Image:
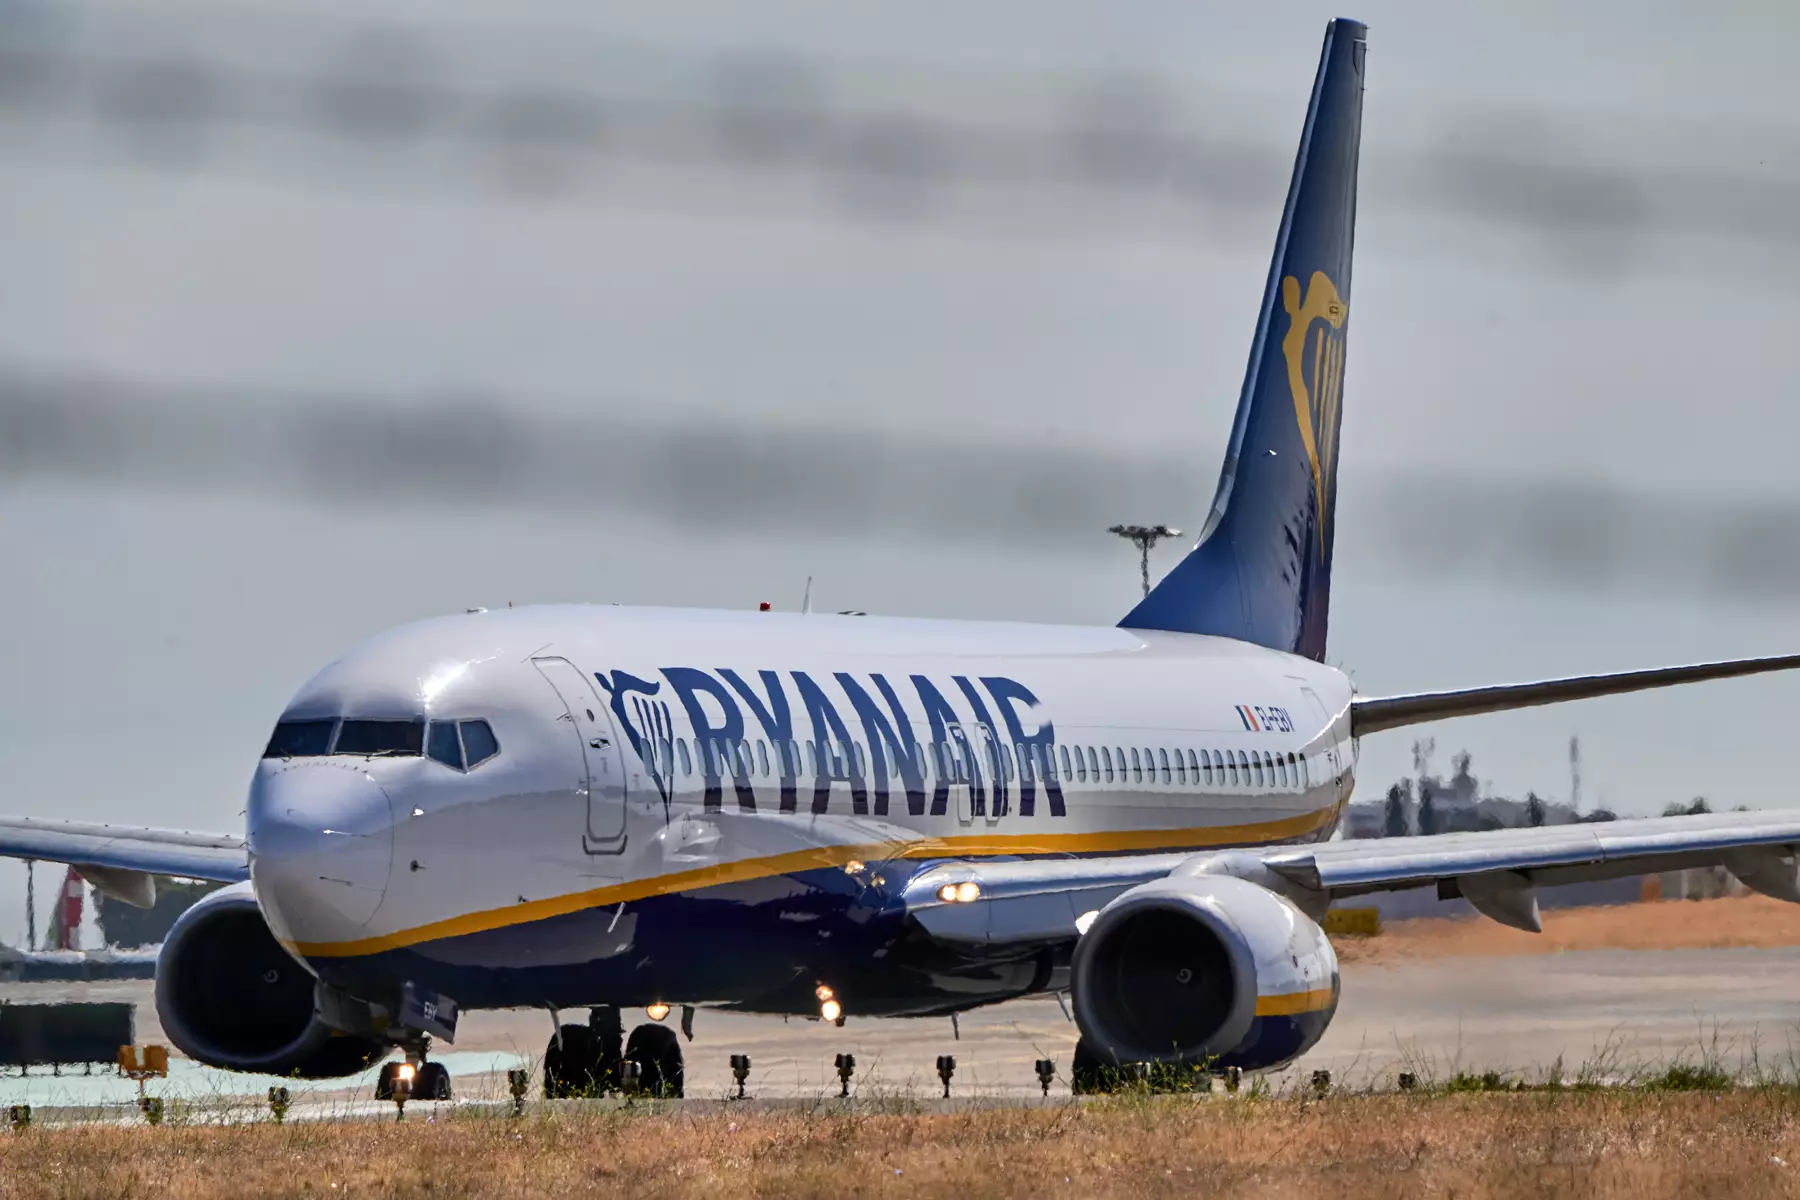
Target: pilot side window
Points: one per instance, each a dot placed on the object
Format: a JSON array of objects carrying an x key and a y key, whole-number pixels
[
  {"x": 443, "y": 745},
  {"x": 381, "y": 738},
  {"x": 301, "y": 739}
]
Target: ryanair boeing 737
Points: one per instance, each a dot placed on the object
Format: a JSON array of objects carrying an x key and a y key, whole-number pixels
[{"x": 601, "y": 808}]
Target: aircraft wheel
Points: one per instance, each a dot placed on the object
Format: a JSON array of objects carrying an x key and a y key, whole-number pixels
[
  {"x": 384, "y": 1083},
  {"x": 657, "y": 1052},
  {"x": 1091, "y": 1073},
  {"x": 432, "y": 1082},
  {"x": 572, "y": 1066}
]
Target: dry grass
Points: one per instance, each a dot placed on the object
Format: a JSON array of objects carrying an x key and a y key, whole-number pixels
[
  {"x": 1746, "y": 921},
  {"x": 1603, "y": 1144}
]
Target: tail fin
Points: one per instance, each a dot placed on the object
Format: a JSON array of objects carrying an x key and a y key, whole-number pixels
[{"x": 1261, "y": 571}]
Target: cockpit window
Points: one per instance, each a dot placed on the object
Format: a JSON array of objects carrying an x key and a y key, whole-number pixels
[
  {"x": 300, "y": 739},
  {"x": 443, "y": 744},
  {"x": 479, "y": 741},
  {"x": 381, "y": 738}
]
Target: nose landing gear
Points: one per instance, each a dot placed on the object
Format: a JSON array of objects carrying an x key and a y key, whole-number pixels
[{"x": 421, "y": 1080}]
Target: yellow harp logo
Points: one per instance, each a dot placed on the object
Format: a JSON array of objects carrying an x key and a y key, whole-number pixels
[{"x": 1315, "y": 372}]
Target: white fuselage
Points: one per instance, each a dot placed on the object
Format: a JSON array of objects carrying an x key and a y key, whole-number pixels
[{"x": 699, "y": 775}]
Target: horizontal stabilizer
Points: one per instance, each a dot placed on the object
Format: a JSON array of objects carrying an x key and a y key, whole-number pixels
[{"x": 1392, "y": 712}]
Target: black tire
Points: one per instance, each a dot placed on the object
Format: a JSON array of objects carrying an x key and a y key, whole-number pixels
[
  {"x": 657, "y": 1052},
  {"x": 432, "y": 1082},
  {"x": 571, "y": 1067},
  {"x": 384, "y": 1083},
  {"x": 1092, "y": 1073}
]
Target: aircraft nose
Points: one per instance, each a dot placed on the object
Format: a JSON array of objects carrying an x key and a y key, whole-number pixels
[{"x": 321, "y": 848}]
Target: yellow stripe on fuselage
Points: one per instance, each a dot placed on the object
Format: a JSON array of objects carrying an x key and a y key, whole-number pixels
[
  {"x": 1142, "y": 841},
  {"x": 1292, "y": 1004}
]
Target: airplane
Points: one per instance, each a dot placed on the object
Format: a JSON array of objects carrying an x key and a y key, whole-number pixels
[{"x": 834, "y": 817}]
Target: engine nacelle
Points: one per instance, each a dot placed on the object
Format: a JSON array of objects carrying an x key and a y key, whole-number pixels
[
  {"x": 1195, "y": 968},
  {"x": 229, "y": 996}
]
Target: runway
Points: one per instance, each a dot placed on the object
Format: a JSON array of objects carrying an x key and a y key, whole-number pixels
[{"x": 1613, "y": 1009}]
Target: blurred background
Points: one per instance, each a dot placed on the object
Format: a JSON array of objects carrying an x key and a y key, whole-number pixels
[{"x": 317, "y": 319}]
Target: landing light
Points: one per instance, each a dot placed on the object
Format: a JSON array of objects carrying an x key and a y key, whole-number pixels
[
  {"x": 831, "y": 1010},
  {"x": 966, "y": 892},
  {"x": 854, "y": 867},
  {"x": 405, "y": 1072},
  {"x": 823, "y": 992},
  {"x": 656, "y": 1012}
]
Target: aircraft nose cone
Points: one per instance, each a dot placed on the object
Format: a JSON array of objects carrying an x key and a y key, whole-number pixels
[{"x": 321, "y": 848}]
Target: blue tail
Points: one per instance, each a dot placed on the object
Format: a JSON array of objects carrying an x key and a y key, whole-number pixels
[{"x": 1261, "y": 571}]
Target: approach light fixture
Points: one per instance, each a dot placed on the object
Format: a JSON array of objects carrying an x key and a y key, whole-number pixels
[{"x": 656, "y": 1012}]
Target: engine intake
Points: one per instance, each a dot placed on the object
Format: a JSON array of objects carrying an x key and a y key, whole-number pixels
[
  {"x": 1202, "y": 967},
  {"x": 228, "y": 995}
]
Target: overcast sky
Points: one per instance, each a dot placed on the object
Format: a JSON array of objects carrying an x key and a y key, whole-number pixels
[{"x": 1573, "y": 280}]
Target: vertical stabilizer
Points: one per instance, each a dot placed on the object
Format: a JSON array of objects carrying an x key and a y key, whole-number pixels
[{"x": 1261, "y": 571}]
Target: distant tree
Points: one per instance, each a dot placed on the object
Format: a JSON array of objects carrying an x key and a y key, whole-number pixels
[
  {"x": 123, "y": 925},
  {"x": 1428, "y": 815},
  {"x": 1397, "y": 819},
  {"x": 1694, "y": 809},
  {"x": 1534, "y": 810},
  {"x": 1598, "y": 816}
]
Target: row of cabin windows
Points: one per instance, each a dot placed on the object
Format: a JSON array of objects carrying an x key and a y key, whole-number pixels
[{"x": 955, "y": 762}]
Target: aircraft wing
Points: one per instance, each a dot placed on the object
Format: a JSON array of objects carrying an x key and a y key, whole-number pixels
[
  {"x": 126, "y": 849},
  {"x": 1032, "y": 901}
]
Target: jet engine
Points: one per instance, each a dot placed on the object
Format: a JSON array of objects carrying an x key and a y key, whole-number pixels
[
  {"x": 1203, "y": 968},
  {"x": 229, "y": 996}
]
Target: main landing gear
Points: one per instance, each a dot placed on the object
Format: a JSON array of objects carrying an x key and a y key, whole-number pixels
[
  {"x": 424, "y": 1080},
  {"x": 586, "y": 1060}
]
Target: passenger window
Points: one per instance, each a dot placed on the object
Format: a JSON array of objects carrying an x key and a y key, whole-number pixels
[
  {"x": 1305, "y": 771},
  {"x": 301, "y": 739},
  {"x": 1027, "y": 763},
  {"x": 1231, "y": 768},
  {"x": 1137, "y": 766},
  {"x": 443, "y": 745},
  {"x": 1256, "y": 768},
  {"x": 1093, "y": 765},
  {"x": 1281, "y": 768},
  {"x": 479, "y": 743},
  {"x": 762, "y": 757},
  {"x": 1162, "y": 760},
  {"x": 381, "y": 738},
  {"x": 1180, "y": 769},
  {"x": 687, "y": 765}
]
